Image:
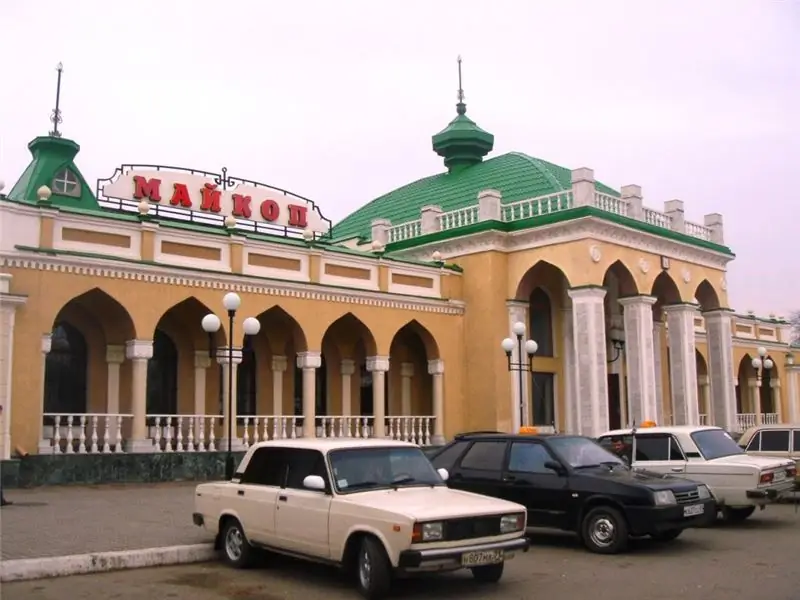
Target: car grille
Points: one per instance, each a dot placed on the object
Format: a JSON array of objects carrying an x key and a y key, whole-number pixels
[
  {"x": 687, "y": 497},
  {"x": 473, "y": 527}
]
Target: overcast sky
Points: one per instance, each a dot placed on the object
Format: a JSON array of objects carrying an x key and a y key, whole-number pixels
[{"x": 336, "y": 101}]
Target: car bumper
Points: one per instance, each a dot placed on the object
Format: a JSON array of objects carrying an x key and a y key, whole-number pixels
[
  {"x": 771, "y": 494},
  {"x": 656, "y": 519},
  {"x": 450, "y": 558}
]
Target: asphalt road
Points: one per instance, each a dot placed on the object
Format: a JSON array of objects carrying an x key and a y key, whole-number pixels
[{"x": 756, "y": 559}]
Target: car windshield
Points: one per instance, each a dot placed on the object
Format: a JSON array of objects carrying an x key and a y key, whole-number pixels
[
  {"x": 362, "y": 469},
  {"x": 579, "y": 452},
  {"x": 716, "y": 443}
]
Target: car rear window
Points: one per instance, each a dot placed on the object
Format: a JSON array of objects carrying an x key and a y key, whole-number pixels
[
  {"x": 774, "y": 440},
  {"x": 796, "y": 444}
]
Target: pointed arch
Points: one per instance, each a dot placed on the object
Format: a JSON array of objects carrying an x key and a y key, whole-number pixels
[
  {"x": 185, "y": 316},
  {"x": 347, "y": 331},
  {"x": 414, "y": 329},
  {"x": 706, "y": 296},
  {"x": 623, "y": 278},
  {"x": 666, "y": 292},
  {"x": 545, "y": 275},
  {"x": 106, "y": 311},
  {"x": 282, "y": 330}
]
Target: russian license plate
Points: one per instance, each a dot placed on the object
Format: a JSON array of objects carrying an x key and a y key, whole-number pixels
[
  {"x": 693, "y": 510},
  {"x": 484, "y": 557},
  {"x": 779, "y": 476}
]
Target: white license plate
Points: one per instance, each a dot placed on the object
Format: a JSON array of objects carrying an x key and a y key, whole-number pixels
[
  {"x": 484, "y": 557},
  {"x": 693, "y": 510},
  {"x": 779, "y": 476}
]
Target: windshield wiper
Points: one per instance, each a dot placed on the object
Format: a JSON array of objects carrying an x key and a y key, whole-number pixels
[
  {"x": 362, "y": 485},
  {"x": 403, "y": 480},
  {"x": 588, "y": 466}
]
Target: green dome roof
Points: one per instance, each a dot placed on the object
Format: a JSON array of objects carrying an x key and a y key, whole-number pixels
[{"x": 517, "y": 176}]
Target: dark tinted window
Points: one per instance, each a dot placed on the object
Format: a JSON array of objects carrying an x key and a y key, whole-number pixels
[
  {"x": 527, "y": 457},
  {"x": 755, "y": 442},
  {"x": 775, "y": 440},
  {"x": 796, "y": 444},
  {"x": 302, "y": 463},
  {"x": 486, "y": 456},
  {"x": 449, "y": 455},
  {"x": 652, "y": 447},
  {"x": 267, "y": 466}
]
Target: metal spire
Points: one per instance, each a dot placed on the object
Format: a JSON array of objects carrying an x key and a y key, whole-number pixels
[
  {"x": 460, "y": 87},
  {"x": 55, "y": 117}
]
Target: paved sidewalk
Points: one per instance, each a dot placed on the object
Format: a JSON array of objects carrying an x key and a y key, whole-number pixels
[{"x": 57, "y": 521}]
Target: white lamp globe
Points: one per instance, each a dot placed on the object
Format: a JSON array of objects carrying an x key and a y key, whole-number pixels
[
  {"x": 518, "y": 328},
  {"x": 231, "y": 301},
  {"x": 756, "y": 363},
  {"x": 531, "y": 347},
  {"x": 768, "y": 364},
  {"x": 308, "y": 235},
  {"x": 762, "y": 352},
  {"x": 211, "y": 323},
  {"x": 251, "y": 326},
  {"x": 437, "y": 256},
  {"x": 507, "y": 345}
]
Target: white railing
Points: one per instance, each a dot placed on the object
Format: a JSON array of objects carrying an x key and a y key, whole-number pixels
[
  {"x": 416, "y": 430},
  {"x": 747, "y": 420},
  {"x": 89, "y": 433},
  {"x": 703, "y": 419},
  {"x": 458, "y": 218},
  {"x": 611, "y": 204},
  {"x": 184, "y": 433},
  {"x": 657, "y": 218},
  {"x": 405, "y": 231},
  {"x": 699, "y": 231},
  {"x": 535, "y": 207}
]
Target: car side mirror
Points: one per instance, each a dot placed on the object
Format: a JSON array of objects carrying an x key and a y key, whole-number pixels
[
  {"x": 555, "y": 466},
  {"x": 443, "y": 474},
  {"x": 314, "y": 482}
]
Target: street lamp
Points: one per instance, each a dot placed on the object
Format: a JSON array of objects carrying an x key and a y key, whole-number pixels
[
  {"x": 251, "y": 326},
  {"x": 762, "y": 363},
  {"x": 529, "y": 347}
]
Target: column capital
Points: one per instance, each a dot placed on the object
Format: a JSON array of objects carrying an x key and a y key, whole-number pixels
[
  {"x": 703, "y": 380},
  {"x": 792, "y": 368},
  {"x": 279, "y": 363},
  {"x": 201, "y": 359},
  {"x": 139, "y": 349},
  {"x": 348, "y": 366},
  {"x": 377, "y": 363},
  {"x": 774, "y": 382},
  {"x": 309, "y": 360},
  {"x": 407, "y": 369},
  {"x": 115, "y": 355},
  {"x": 638, "y": 300},
  {"x": 435, "y": 366},
  {"x": 222, "y": 355},
  {"x": 47, "y": 343},
  {"x": 587, "y": 293},
  {"x": 718, "y": 313},
  {"x": 681, "y": 307}
]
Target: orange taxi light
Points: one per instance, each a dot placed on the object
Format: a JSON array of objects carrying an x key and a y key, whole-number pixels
[
  {"x": 647, "y": 424},
  {"x": 528, "y": 430}
]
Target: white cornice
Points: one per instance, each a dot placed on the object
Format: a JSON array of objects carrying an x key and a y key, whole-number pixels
[{"x": 103, "y": 268}]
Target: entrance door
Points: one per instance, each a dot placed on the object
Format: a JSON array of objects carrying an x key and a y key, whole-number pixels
[{"x": 614, "y": 413}]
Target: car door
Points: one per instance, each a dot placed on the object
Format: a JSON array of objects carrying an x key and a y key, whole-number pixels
[
  {"x": 480, "y": 468},
  {"x": 660, "y": 453},
  {"x": 257, "y": 492},
  {"x": 527, "y": 481},
  {"x": 302, "y": 515}
]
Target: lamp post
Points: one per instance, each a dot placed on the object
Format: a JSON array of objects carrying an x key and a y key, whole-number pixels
[
  {"x": 761, "y": 363},
  {"x": 211, "y": 324},
  {"x": 529, "y": 347}
]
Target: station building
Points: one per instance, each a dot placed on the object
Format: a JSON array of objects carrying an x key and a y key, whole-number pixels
[{"x": 388, "y": 323}]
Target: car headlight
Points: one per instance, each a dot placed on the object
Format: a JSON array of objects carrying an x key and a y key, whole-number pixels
[
  {"x": 512, "y": 523},
  {"x": 703, "y": 493},
  {"x": 664, "y": 498},
  {"x": 428, "y": 532}
]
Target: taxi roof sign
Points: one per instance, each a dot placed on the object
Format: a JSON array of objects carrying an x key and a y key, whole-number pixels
[
  {"x": 646, "y": 424},
  {"x": 528, "y": 430}
]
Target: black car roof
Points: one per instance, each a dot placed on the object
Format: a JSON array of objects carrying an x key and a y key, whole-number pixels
[{"x": 499, "y": 435}]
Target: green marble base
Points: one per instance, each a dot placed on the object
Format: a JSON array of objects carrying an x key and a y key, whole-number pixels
[{"x": 90, "y": 469}]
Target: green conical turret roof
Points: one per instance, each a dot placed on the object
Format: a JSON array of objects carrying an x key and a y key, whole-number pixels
[{"x": 462, "y": 143}]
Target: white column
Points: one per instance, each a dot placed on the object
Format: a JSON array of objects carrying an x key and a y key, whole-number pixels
[
  {"x": 8, "y": 307},
  {"x": 570, "y": 401},
  {"x": 704, "y": 385},
  {"x": 309, "y": 362},
  {"x": 378, "y": 366},
  {"x": 591, "y": 359},
  {"x": 406, "y": 373},
  {"x": 637, "y": 317},
  {"x": 721, "y": 370},
  {"x": 139, "y": 352},
  {"x": 682, "y": 363},
  {"x": 793, "y": 392},
  {"x": 518, "y": 312},
  {"x": 775, "y": 385},
  {"x": 45, "y": 446},
  {"x": 229, "y": 398},
  {"x": 115, "y": 356},
  {"x": 279, "y": 365},
  {"x": 658, "y": 365},
  {"x": 202, "y": 361},
  {"x": 436, "y": 370},
  {"x": 348, "y": 368},
  {"x": 754, "y": 385}
]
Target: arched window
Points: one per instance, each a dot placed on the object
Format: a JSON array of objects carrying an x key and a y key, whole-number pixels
[
  {"x": 541, "y": 321},
  {"x": 65, "y": 371},
  {"x": 162, "y": 376},
  {"x": 246, "y": 380},
  {"x": 66, "y": 183}
]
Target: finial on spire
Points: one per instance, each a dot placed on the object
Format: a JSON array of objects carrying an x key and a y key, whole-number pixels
[
  {"x": 55, "y": 117},
  {"x": 460, "y": 107}
]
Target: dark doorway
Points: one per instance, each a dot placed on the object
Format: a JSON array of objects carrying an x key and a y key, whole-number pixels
[{"x": 614, "y": 413}]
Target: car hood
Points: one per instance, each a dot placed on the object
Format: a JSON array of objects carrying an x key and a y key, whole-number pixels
[
  {"x": 762, "y": 462},
  {"x": 425, "y": 503},
  {"x": 642, "y": 477}
]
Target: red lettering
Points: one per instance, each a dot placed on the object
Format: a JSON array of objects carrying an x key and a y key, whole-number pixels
[
  {"x": 297, "y": 216},
  {"x": 270, "y": 210},
  {"x": 180, "y": 195},
  {"x": 146, "y": 188},
  {"x": 210, "y": 197},
  {"x": 241, "y": 206}
]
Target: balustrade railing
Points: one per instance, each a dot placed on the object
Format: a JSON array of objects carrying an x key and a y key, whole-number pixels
[{"x": 86, "y": 433}]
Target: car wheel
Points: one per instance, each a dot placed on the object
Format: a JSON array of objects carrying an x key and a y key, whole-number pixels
[
  {"x": 236, "y": 549},
  {"x": 373, "y": 570},
  {"x": 488, "y": 573},
  {"x": 737, "y": 515},
  {"x": 604, "y": 530},
  {"x": 667, "y": 536}
]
